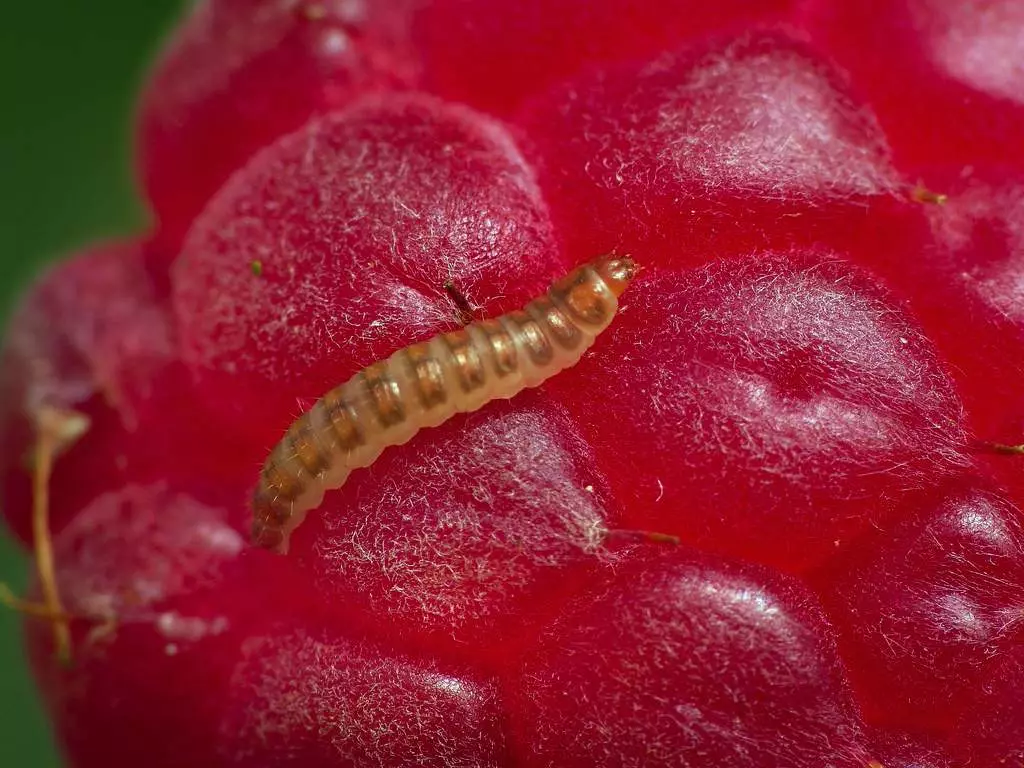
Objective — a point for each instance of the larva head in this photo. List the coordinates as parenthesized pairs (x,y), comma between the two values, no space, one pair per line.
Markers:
(589,292)
(617,272)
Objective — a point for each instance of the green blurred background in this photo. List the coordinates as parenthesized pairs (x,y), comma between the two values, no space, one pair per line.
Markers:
(69,75)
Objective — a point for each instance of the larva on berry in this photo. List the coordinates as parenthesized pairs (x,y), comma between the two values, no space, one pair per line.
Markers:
(425,384)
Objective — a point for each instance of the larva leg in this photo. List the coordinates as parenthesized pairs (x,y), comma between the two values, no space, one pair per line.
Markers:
(651,537)
(466,311)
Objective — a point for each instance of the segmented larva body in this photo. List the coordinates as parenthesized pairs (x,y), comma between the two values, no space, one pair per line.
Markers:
(424,384)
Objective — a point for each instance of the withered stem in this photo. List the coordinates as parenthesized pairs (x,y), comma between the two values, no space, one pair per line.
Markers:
(27,607)
(51,426)
(1001,449)
(654,537)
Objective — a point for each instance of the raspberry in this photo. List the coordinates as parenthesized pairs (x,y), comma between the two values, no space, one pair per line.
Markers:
(771,518)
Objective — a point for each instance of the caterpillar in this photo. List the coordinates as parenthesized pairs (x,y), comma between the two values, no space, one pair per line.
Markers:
(424,384)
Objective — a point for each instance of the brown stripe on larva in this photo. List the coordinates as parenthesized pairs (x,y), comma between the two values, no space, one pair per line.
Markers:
(556,322)
(427,375)
(466,360)
(501,346)
(267,533)
(271,511)
(531,336)
(425,384)
(584,296)
(384,393)
(344,420)
(306,447)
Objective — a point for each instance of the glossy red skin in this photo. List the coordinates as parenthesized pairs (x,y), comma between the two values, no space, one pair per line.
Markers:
(668,666)
(694,154)
(921,609)
(482,596)
(966,102)
(209,112)
(898,750)
(991,732)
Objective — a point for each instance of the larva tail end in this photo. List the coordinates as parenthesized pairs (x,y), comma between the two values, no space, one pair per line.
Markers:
(269,537)
(617,272)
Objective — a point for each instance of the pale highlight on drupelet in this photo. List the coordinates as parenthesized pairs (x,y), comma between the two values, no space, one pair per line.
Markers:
(424,384)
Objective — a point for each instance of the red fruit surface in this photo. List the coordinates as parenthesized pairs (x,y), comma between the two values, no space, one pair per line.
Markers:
(239,73)
(737,143)
(478,557)
(508,51)
(803,386)
(92,328)
(921,609)
(92,337)
(898,750)
(95,336)
(992,732)
(160,571)
(965,289)
(944,76)
(314,700)
(668,666)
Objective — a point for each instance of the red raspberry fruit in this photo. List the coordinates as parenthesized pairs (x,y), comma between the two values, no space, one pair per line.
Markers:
(770,520)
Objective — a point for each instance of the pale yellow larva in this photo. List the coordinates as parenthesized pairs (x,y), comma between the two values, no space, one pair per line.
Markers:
(424,384)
